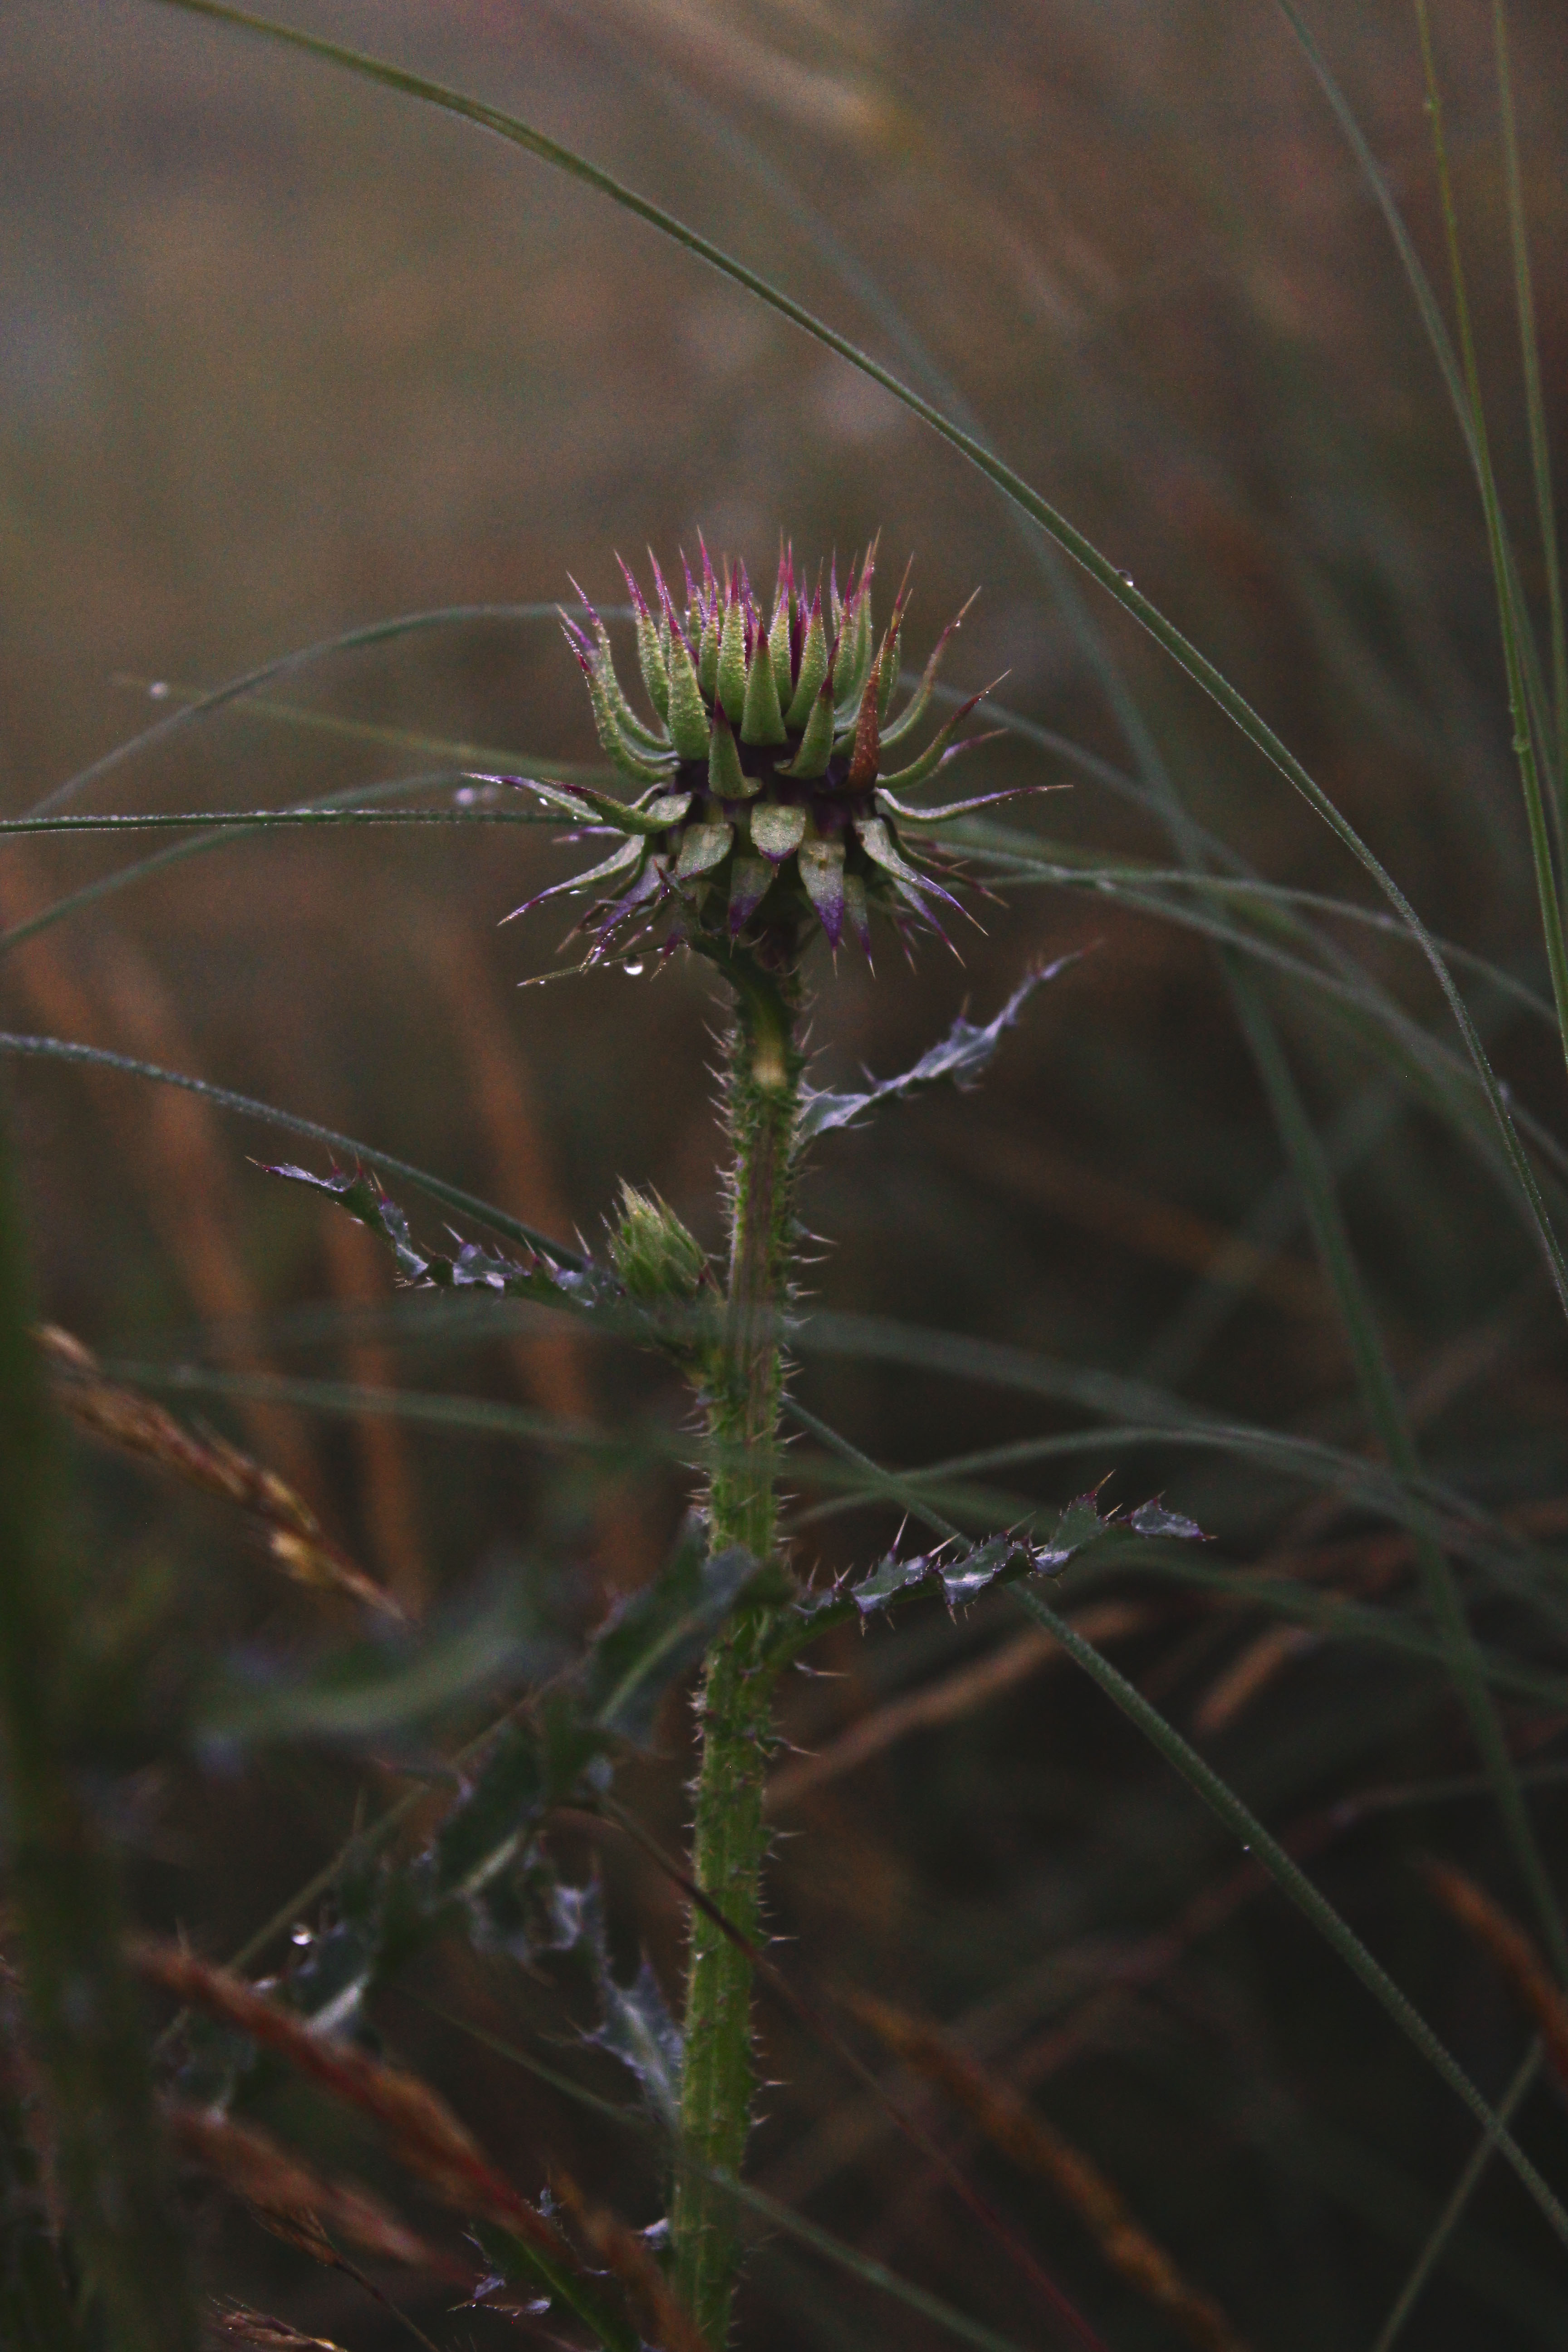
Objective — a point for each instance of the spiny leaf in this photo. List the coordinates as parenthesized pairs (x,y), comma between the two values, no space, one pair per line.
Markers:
(471,1269)
(958,1061)
(966,1572)
(637,2027)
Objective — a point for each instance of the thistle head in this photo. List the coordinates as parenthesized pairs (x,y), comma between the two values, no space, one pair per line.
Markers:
(771,778)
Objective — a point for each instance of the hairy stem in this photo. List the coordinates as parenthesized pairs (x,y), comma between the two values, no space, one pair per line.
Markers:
(81,2005)
(734,1711)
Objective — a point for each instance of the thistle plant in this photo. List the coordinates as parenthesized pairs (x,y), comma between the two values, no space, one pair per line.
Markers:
(794,785)
(764,811)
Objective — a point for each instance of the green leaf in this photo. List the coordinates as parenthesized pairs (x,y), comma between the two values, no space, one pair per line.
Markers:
(657,1633)
(957,1061)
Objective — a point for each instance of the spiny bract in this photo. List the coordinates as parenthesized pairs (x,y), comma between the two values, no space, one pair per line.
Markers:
(764,804)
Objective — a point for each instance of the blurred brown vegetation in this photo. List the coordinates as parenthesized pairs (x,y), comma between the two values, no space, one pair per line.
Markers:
(280,356)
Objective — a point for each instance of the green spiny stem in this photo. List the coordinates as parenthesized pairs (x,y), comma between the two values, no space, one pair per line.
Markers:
(81,2005)
(730,1835)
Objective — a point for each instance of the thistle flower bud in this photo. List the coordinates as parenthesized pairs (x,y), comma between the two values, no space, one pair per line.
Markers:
(767,804)
(653,1255)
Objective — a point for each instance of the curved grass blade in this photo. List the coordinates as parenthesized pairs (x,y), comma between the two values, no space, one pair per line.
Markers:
(451,1196)
(476,1416)
(1065,865)
(1513,620)
(1430,314)
(1536,407)
(266,820)
(91,893)
(1437,1076)
(376,633)
(882,1339)
(1073,542)
(1453,2212)
(1385,1408)
(395,738)
(1292,1881)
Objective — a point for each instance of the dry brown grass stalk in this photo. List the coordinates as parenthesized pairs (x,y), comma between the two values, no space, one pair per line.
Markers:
(167,1141)
(1249,1676)
(423,2133)
(1157,1230)
(551,1366)
(945,1701)
(121,1417)
(1527,1973)
(234,2323)
(388,1490)
(284,2194)
(1011,2124)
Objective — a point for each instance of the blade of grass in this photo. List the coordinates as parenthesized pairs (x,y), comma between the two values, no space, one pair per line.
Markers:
(1511,619)
(268,819)
(1386,1411)
(1535,406)
(1373,1373)
(1196,665)
(303,658)
(1438,1076)
(92,893)
(1066,864)
(785,198)
(59,1049)
(1452,2212)
(1427,306)
(395,738)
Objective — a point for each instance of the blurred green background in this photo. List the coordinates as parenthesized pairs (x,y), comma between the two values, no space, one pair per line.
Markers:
(281,357)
